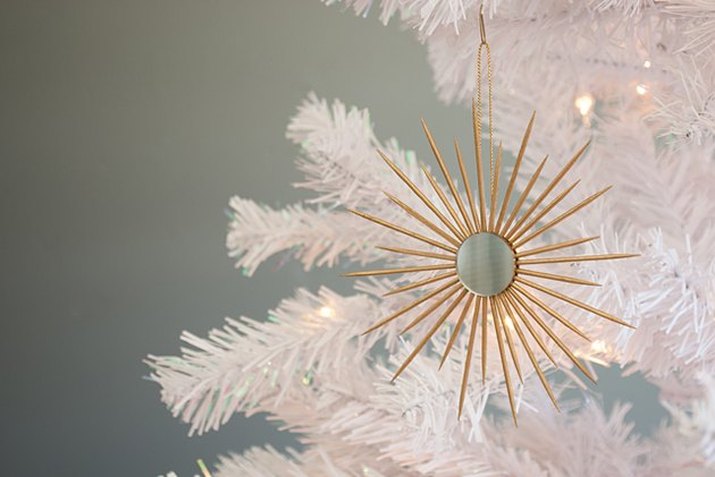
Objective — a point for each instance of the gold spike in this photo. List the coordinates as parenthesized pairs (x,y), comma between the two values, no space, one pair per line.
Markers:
(561,217)
(532,358)
(574,302)
(425,200)
(418,253)
(579,258)
(412,305)
(470,350)
(554,337)
(404,231)
(556,277)
(532,331)
(420,283)
(468,188)
(554,182)
(484,340)
(429,335)
(421,218)
(447,177)
(443,197)
(515,171)
(555,246)
(495,189)
(524,194)
(502,316)
(504,366)
(457,329)
(426,313)
(519,232)
(392,271)
(551,312)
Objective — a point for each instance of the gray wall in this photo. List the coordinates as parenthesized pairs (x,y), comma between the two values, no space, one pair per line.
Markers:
(125,127)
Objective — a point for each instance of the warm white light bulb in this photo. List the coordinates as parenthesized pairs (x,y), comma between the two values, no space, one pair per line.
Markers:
(326,312)
(641,89)
(598,346)
(509,324)
(646,64)
(584,104)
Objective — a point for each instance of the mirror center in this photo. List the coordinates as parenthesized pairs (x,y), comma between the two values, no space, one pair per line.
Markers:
(485,264)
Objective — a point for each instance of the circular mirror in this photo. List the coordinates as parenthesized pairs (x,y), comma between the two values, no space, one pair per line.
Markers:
(485,264)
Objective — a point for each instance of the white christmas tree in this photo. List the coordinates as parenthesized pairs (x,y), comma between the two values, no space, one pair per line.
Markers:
(637,78)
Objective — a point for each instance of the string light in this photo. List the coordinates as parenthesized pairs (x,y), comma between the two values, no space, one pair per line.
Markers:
(326,312)
(598,346)
(641,89)
(584,104)
(508,322)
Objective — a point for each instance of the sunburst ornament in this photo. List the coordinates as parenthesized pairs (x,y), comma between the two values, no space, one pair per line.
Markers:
(486,266)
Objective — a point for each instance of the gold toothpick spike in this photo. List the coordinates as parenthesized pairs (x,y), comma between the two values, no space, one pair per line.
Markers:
(561,217)
(443,197)
(485,328)
(457,329)
(392,271)
(532,331)
(574,302)
(425,200)
(502,315)
(557,277)
(556,246)
(448,178)
(410,306)
(417,253)
(554,337)
(404,231)
(495,189)
(515,172)
(429,334)
(524,194)
(420,283)
(578,258)
(543,212)
(559,317)
(554,182)
(505,367)
(470,349)
(532,357)
(426,313)
(467,187)
(422,219)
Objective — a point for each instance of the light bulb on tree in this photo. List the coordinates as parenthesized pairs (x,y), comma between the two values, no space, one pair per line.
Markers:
(584,103)
(326,312)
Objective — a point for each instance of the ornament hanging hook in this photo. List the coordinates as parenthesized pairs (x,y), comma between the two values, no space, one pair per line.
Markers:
(482,28)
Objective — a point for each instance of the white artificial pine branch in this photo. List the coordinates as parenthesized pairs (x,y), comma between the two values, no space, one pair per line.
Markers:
(254,363)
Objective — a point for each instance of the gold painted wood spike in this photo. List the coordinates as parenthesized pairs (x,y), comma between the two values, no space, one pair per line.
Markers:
(481,261)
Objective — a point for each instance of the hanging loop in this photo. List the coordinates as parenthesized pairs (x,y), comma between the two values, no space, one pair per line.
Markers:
(477,108)
(482,28)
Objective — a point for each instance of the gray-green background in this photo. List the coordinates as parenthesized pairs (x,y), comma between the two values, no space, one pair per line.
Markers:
(125,127)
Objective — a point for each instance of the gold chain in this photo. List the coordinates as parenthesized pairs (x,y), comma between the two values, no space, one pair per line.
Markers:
(484,45)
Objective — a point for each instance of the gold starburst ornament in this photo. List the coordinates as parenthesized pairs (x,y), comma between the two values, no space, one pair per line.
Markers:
(483,257)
